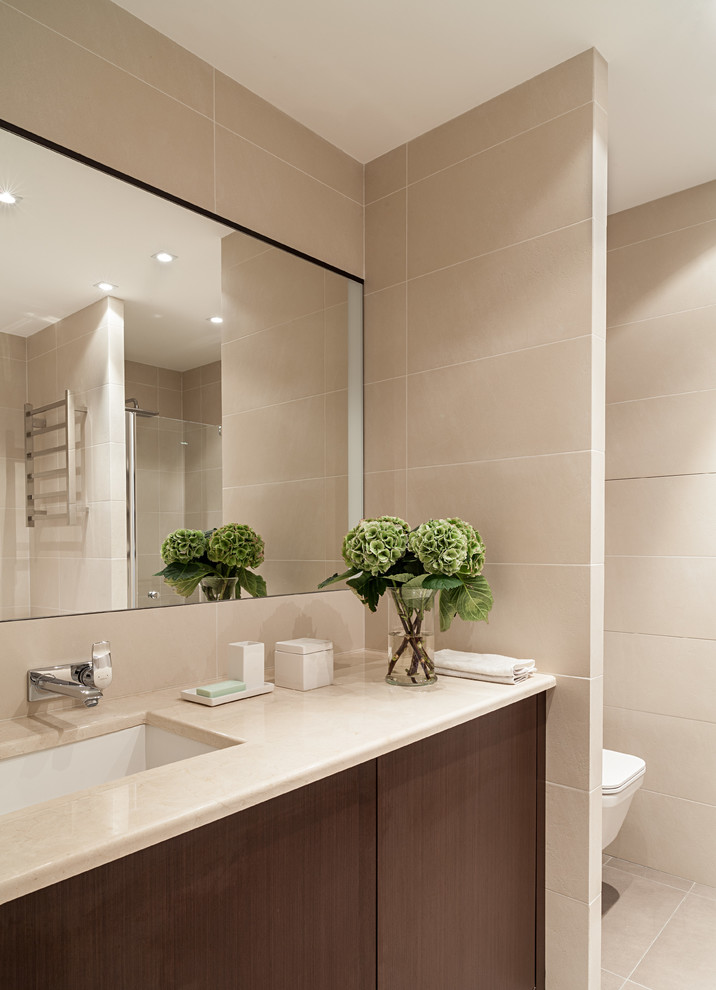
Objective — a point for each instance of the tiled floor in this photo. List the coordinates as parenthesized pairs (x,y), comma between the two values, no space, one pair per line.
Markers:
(658,931)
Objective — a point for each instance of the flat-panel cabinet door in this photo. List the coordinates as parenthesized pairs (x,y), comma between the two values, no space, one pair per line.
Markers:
(457,859)
(278,897)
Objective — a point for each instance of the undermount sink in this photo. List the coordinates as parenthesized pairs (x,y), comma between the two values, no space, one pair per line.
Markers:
(51,773)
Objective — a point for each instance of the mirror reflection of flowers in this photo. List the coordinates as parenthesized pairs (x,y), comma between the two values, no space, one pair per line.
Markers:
(441,555)
(218,558)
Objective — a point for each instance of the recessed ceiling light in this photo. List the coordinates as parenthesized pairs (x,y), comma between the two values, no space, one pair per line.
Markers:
(105,286)
(9,198)
(164,257)
(216,319)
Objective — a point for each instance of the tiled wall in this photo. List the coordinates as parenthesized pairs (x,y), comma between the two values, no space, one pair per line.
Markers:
(82,566)
(14,534)
(92,77)
(660,644)
(285,408)
(484,362)
(201,394)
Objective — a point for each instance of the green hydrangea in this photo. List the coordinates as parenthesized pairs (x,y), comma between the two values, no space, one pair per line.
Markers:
(475,558)
(183,545)
(374,545)
(440,546)
(236,545)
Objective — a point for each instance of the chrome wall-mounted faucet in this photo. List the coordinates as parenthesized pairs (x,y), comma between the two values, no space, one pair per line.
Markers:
(84,680)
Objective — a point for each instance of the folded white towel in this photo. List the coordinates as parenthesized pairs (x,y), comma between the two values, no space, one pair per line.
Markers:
(483,666)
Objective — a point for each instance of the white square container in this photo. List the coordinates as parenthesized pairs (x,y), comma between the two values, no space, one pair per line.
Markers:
(246,663)
(304,664)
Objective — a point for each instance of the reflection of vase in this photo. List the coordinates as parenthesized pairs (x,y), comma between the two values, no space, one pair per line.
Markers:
(411,639)
(218,589)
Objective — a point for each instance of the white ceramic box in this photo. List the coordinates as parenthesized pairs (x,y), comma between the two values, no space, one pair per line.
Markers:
(246,663)
(304,664)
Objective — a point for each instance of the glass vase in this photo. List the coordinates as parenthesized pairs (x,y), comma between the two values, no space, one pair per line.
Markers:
(218,589)
(411,637)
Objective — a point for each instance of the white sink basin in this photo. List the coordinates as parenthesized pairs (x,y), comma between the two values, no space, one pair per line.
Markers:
(50,773)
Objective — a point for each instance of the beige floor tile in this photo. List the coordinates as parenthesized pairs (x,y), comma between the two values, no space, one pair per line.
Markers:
(648,874)
(611,982)
(684,955)
(635,911)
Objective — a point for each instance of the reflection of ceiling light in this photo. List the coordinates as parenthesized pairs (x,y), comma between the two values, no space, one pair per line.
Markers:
(164,257)
(216,319)
(9,198)
(105,286)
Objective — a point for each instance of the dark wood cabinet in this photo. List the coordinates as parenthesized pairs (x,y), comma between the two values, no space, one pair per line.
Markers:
(420,869)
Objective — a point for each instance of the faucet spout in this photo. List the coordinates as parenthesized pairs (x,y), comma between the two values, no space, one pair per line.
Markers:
(89,696)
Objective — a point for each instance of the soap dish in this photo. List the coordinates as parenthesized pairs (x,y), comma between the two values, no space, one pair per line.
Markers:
(191,695)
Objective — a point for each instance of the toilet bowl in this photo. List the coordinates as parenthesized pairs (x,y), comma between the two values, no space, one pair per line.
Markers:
(622,775)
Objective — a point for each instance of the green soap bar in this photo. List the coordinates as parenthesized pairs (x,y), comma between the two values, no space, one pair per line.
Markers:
(223,687)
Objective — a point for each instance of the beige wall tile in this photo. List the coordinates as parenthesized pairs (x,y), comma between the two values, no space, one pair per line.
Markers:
(264,507)
(211,373)
(573,841)
(13,347)
(548,95)
(276,365)
(385,494)
(294,577)
(680,753)
(265,194)
(12,383)
(662,516)
(385,241)
(662,356)
(662,216)
(336,347)
(251,302)
(531,293)
(666,596)
(40,342)
(191,405)
(537,402)
(141,131)
(667,274)
(686,442)
(336,432)
(169,403)
(527,509)
(117,36)
(210,396)
(573,939)
(669,834)
(140,374)
(245,113)
(661,674)
(385,425)
(278,443)
(455,214)
(384,334)
(387,174)
(540,612)
(574,732)
(337,616)
(169,379)
(335,521)
(238,247)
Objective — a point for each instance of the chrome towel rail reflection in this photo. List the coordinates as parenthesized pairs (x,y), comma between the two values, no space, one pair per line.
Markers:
(36,426)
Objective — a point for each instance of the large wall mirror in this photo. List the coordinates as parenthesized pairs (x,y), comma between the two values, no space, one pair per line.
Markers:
(161,369)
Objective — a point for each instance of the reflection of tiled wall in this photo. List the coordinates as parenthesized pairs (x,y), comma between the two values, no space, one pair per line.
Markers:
(284,368)
(83,567)
(155,389)
(201,394)
(660,620)
(14,535)
(484,343)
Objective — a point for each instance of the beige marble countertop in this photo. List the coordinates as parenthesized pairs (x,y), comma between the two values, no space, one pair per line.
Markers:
(287,739)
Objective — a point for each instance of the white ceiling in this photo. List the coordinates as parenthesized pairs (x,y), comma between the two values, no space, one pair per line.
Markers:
(369,76)
(75,226)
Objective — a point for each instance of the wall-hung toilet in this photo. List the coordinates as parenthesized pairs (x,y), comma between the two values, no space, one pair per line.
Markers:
(622,775)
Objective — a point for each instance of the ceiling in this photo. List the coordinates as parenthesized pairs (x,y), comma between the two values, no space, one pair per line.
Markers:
(75,226)
(370,76)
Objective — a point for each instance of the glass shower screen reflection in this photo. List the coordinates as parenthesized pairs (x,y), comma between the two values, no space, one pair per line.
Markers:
(173,482)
